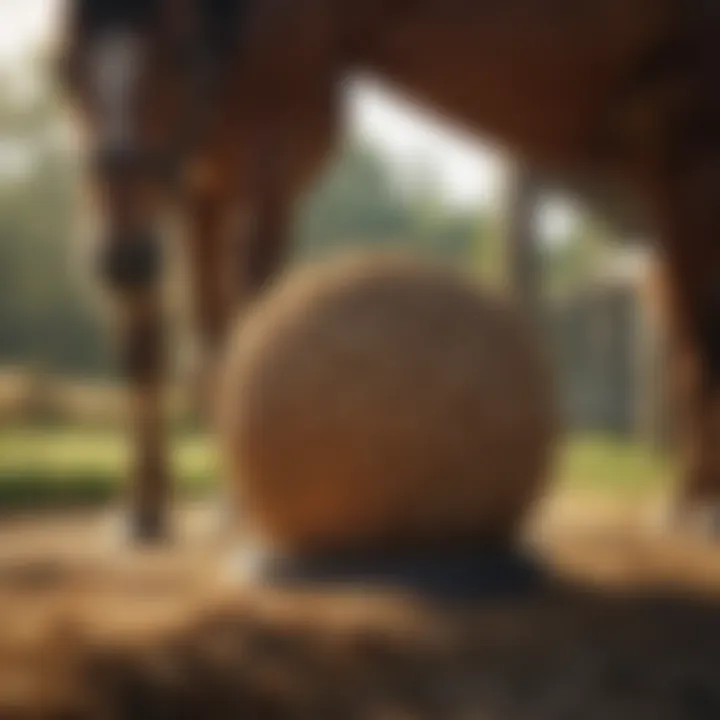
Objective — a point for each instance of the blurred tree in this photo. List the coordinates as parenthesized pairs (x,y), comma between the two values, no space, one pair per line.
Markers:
(45,320)
(575,259)
(361,203)
(489,254)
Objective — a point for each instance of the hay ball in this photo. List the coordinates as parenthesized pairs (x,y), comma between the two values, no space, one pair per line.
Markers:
(384,400)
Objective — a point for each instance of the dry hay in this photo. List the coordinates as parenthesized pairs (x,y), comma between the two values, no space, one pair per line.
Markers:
(129,637)
(262,654)
(379,399)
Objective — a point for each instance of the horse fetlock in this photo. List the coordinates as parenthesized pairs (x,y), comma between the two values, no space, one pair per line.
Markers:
(149,512)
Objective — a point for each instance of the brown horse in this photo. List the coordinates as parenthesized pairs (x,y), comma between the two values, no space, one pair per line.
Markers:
(234,104)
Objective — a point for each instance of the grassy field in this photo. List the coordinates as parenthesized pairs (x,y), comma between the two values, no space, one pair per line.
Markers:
(46,468)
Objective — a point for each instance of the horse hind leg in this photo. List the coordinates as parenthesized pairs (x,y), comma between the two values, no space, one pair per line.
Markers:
(687,193)
(212,223)
(699,505)
(207,246)
(261,246)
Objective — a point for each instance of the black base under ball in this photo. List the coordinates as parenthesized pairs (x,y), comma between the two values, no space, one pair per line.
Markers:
(465,573)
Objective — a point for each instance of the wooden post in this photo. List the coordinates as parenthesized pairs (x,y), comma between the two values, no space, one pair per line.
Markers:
(523,252)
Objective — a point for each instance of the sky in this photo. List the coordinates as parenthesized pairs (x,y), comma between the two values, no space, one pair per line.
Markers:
(469,173)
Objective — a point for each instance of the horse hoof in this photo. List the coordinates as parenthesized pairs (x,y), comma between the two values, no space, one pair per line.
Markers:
(136,530)
(695,520)
(149,530)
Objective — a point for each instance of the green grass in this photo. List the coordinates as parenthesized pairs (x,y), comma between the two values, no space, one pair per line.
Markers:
(612,467)
(62,468)
(51,468)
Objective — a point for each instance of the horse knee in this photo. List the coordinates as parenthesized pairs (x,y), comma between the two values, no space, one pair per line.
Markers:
(131,265)
(131,268)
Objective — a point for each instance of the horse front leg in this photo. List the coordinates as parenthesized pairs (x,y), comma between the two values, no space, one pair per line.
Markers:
(262,249)
(207,247)
(131,266)
(688,202)
(231,255)
(229,263)
(265,246)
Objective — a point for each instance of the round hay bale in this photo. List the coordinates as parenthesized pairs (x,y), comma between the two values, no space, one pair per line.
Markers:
(382,400)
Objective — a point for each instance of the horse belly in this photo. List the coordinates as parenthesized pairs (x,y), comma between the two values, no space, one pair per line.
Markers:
(537,75)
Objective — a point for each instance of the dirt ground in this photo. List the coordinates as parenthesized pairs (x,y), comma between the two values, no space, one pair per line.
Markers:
(611,543)
(633,633)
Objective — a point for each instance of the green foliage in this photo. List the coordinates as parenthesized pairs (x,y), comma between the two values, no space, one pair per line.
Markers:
(576,259)
(359,204)
(489,257)
(45,319)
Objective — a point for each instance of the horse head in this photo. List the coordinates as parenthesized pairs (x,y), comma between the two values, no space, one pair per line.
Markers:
(137,72)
